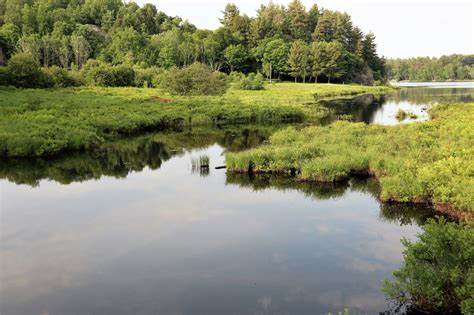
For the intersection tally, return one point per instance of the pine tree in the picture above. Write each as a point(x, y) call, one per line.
point(298, 60)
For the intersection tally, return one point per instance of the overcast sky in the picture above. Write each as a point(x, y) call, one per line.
point(404, 28)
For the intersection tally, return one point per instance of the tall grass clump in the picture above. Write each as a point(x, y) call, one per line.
point(429, 162)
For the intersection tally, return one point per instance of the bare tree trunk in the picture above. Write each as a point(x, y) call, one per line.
point(270, 73)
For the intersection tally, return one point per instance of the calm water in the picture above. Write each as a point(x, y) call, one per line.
point(417, 100)
point(134, 229)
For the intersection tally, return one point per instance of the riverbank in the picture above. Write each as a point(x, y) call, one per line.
point(35, 122)
point(429, 162)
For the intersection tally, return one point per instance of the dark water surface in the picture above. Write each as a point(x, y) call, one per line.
point(134, 229)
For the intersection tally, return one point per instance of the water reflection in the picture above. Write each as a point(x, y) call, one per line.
point(383, 109)
point(122, 157)
point(171, 242)
point(403, 214)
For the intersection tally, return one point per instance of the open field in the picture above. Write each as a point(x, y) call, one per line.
point(37, 122)
point(430, 162)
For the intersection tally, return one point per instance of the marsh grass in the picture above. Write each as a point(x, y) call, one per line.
point(36, 122)
point(422, 163)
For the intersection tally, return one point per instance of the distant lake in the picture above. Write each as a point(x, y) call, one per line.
point(134, 228)
point(435, 84)
point(416, 99)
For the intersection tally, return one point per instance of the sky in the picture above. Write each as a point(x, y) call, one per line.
point(404, 28)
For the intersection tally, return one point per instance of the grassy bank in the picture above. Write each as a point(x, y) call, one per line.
point(45, 122)
point(423, 162)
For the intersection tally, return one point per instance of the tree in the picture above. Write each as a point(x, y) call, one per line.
point(298, 60)
point(236, 56)
point(9, 35)
point(273, 54)
point(80, 49)
point(126, 46)
point(369, 54)
point(298, 20)
point(313, 16)
point(325, 30)
point(270, 21)
point(317, 58)
point(335, 67)
point(31, 44)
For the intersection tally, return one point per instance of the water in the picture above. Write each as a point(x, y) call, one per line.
point(417, 100)
point(135, 229)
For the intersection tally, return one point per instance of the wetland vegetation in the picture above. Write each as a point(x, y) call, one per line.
point(37, 122)
point(121, 107)
point(422, 162)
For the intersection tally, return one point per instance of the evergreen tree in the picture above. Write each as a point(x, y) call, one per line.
point(298, 60)
point(298, 20)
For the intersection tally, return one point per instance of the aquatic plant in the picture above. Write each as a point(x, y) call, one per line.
point(424, 162)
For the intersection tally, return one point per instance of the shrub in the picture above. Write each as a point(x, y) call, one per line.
point(196, 79)
point(59, 77)
point(437, 275)
point(123, 75)
point(3, 76)
point(252, 82)
point(24, 71)
point(103, 74)
point(236, 77)
point(148, 77)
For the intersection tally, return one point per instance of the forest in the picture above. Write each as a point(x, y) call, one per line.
point(61, 43)
point(445, 68)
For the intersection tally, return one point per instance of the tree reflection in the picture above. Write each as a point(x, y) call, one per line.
point(403, 214)
point(121, 157)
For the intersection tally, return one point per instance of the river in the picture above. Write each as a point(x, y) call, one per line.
point(135, 229)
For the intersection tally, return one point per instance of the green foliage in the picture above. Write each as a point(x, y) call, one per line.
point(46, 122)
point(437, 275)
point(148, 77)
point(196, 79)
point(102, 74)
point(60, 77)
point(68, 34)
point(273, 53)
point(252, 82)
point(424, 162)
point(445, 68)
point(24, 71)
point(299, 60)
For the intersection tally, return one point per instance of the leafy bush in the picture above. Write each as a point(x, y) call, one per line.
point(148, 77)
point(102, 74)
point(437, 275)
point(252, 82)
point(236, 77)
point(196, 79)
point(59, 77)
point(24, 71)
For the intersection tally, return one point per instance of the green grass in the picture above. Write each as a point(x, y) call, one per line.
point(423, 162)
point(37, 122)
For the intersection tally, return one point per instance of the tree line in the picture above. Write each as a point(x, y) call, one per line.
point(445, 68)
point(279, 42)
